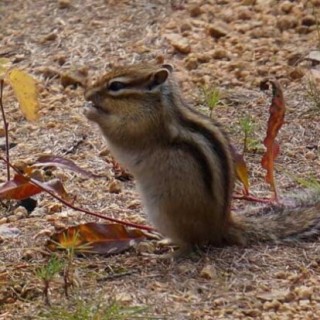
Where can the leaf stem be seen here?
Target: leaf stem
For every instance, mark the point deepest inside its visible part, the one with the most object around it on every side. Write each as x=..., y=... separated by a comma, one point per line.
x=6, y=129
x=252, y=198
x=68, y=204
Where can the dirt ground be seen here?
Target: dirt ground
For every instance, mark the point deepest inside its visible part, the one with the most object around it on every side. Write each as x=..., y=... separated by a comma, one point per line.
x=223, y=44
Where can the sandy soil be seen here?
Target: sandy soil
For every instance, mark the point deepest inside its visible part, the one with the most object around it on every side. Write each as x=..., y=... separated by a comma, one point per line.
x=223, y=44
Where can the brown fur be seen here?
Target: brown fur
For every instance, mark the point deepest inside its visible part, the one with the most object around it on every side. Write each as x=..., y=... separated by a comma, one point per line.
x=182, y=162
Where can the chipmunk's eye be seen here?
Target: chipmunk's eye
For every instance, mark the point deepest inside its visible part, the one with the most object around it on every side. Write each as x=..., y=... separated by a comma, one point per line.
x=116, y=86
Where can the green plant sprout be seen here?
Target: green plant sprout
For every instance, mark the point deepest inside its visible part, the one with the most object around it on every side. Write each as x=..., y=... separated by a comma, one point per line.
x=309, y=183
x=46, y=274
x=97, y=311
x=212, y=97
x=248, y=126
x=313, y=93
x=71, y=245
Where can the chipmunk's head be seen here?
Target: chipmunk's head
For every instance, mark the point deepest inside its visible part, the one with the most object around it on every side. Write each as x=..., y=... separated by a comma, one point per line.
x=127, y=100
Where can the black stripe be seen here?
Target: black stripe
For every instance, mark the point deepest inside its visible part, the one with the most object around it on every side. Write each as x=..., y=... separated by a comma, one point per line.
x=200, y=158
x=217, y=146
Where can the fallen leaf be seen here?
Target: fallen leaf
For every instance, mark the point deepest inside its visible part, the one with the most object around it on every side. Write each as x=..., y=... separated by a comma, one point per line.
x=20, y=188
x=57, y=161
x=99, y=238
x=275, y=122
x=25, y=90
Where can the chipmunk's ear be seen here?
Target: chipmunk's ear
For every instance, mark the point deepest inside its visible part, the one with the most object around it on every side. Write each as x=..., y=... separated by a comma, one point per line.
x=158, y=78
x=168, y=66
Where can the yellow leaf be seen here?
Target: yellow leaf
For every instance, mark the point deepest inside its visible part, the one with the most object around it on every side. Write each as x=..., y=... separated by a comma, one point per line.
x=4, y=66
x=241, y=169
x=242, y=175
x=25, y=89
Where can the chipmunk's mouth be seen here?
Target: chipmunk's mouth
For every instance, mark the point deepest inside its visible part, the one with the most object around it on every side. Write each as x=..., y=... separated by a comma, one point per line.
x=91, y=110
x=90, y=105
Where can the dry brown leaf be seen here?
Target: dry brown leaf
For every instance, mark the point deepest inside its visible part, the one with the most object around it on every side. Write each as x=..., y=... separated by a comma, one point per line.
x=96, y=238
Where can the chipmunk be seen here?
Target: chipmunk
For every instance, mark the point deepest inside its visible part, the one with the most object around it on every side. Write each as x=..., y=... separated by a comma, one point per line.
x=182, y=162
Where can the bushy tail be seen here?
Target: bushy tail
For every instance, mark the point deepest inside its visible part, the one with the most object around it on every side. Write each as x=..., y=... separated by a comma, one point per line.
x=293, y=222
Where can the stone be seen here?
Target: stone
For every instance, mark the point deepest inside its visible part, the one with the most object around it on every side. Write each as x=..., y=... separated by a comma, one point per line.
x=75, y=76
x=208, y=272
x=244, y=14
x=179, y=43
x=204, y=57
x=303, y=30
x=249, y=2
x=286, y=6
x=64, y=4
x=269, y=305
x=218, y=30
x=287, y=22
x=314, y=56
x=220, y=54
x=296, y=73
x=195, y=11
x=185, y=27
x=49, y=37
x=191, y=63
x=7, y=232
x=21, y=212
x=114, y=186
x=308, y=21
x=304, y=292
x=134, y=204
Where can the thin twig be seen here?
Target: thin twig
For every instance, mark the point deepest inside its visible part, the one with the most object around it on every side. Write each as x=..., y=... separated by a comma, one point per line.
x=68, y=204
x=116, y=275
x=46, y=292
x=6, y=127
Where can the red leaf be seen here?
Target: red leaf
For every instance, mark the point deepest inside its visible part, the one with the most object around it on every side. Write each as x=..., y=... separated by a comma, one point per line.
x=21, y=188
x=96, y=238
x=56, y=186
x=277, y=112
x=57, y=161
x=18, y=189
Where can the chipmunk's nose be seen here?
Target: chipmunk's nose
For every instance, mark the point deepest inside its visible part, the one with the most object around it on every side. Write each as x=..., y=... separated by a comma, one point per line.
x=88, y=94
x=88, y=104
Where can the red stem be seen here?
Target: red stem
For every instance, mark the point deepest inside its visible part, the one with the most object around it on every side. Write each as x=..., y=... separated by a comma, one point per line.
x=68, y=204
x=6, y=127
x=249, y=197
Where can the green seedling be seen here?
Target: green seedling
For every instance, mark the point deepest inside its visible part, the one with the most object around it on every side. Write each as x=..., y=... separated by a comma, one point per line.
x=313, y=93
x=212, y=97
x=46, y=274
x=248, y=126
x=309, y=183
x=82, y=309
x=71, y=246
